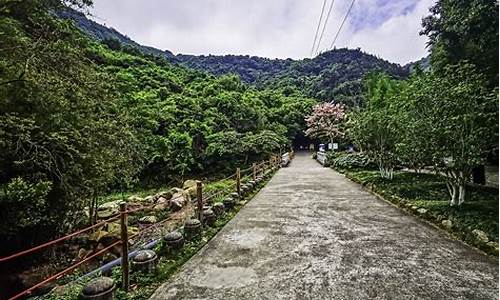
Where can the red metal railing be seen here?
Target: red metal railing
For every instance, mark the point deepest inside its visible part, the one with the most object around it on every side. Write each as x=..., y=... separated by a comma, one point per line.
x=255, y=168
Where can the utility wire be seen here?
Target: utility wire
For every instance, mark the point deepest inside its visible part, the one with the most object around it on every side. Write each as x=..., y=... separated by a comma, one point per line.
x=324, y=25
x=317, y=29
x=342, y=24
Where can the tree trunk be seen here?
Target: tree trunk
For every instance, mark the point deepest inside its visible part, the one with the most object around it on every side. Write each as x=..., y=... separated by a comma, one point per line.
x=461, y=193
x=452, y=190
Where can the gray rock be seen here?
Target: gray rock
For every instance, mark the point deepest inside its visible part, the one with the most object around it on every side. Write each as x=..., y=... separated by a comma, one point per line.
x=165, y=194
x=447, y=224
x=422, y=211
x=98, y=286
x=162, y=200
x=148, y=220
x=160, y=207
x=108, y=209
x=149, y=199
x=177, y=204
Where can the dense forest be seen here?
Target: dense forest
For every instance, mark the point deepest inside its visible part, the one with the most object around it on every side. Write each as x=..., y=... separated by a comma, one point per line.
x=86, y=112
x=80, y=119
x=335, y=74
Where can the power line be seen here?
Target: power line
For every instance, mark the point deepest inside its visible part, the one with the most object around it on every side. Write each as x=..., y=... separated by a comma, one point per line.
x=324, y=25
x=342, y=24
x=319, y=23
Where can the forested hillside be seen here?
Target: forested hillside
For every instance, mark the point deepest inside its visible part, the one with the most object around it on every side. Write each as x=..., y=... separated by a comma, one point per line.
x=79, y=120
x=335, y=74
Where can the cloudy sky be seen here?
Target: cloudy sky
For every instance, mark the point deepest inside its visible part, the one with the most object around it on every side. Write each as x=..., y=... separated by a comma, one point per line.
x=269, y=28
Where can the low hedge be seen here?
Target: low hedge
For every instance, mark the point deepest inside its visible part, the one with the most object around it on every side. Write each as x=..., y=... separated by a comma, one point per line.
x=349, y=161
x=414, y=192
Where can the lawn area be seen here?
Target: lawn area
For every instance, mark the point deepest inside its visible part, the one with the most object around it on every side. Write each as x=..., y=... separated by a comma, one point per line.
x=415, y=192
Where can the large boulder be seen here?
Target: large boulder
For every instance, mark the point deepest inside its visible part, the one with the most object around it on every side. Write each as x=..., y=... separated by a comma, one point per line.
x=108, y=209
x=189, y=184
x=164, y=194
x=189, y=187
x=178, y=193
x=177, y=203
x=149, y=199
x=162, y=200
x=111, y=232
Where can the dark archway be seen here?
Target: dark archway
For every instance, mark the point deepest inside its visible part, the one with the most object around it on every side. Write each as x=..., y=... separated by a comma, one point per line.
x=302, y=142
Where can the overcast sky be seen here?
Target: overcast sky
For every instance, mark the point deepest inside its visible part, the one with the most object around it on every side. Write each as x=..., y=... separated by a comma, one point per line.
x=269, y=28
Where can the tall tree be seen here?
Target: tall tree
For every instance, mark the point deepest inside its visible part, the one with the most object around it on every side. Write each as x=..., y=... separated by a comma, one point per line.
x=457, y=123
x=464, y=30
x=325, y=121
x=374, y=128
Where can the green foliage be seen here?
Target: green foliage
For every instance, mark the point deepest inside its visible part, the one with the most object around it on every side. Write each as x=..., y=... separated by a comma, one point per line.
x=335, y=74
x=89, y=118
x=429, y=191
x=374, y=129
x=464, y=30
x=450, y=119
x=59, y=123
x=349, y=161
x=23, y=206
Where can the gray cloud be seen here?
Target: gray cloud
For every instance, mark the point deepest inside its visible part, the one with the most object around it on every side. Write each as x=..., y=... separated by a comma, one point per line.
x=269, y=28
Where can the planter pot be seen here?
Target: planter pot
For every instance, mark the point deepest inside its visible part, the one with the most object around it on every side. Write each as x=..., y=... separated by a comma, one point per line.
x=235, y=196
x=174, y=241
x=144, y=261
x=218, y=209
x=192, y=228
x=244, y=189
x=209, y=217
x=102, y=288
x=229, y=203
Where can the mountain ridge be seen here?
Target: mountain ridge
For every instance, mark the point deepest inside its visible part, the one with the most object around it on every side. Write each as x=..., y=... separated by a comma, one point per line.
x=335, y=74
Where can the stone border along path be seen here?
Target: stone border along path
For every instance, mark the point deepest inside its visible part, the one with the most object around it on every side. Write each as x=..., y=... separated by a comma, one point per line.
x=313, y=234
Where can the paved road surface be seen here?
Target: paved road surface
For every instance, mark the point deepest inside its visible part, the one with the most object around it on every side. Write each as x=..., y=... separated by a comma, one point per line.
x=313, y=234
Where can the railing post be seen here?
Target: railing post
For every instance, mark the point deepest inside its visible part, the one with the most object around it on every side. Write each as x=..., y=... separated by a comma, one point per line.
x=254, y=171
x=199, y=198
x=238, y=182
x=124, y=238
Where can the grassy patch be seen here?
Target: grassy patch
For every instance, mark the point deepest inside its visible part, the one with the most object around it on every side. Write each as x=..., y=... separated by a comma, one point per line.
x=413, y=191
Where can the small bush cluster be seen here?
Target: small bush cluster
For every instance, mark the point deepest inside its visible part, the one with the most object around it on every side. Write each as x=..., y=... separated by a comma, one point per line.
x=349, y=161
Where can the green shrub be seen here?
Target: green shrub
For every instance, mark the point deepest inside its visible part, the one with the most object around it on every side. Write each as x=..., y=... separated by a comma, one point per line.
x=350, y=161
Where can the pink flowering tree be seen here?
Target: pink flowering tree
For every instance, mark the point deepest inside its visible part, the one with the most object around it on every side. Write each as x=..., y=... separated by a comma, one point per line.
x=325, y=121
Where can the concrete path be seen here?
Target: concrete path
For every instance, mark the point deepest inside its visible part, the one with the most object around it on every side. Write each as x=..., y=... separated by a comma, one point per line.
x=313, y=234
